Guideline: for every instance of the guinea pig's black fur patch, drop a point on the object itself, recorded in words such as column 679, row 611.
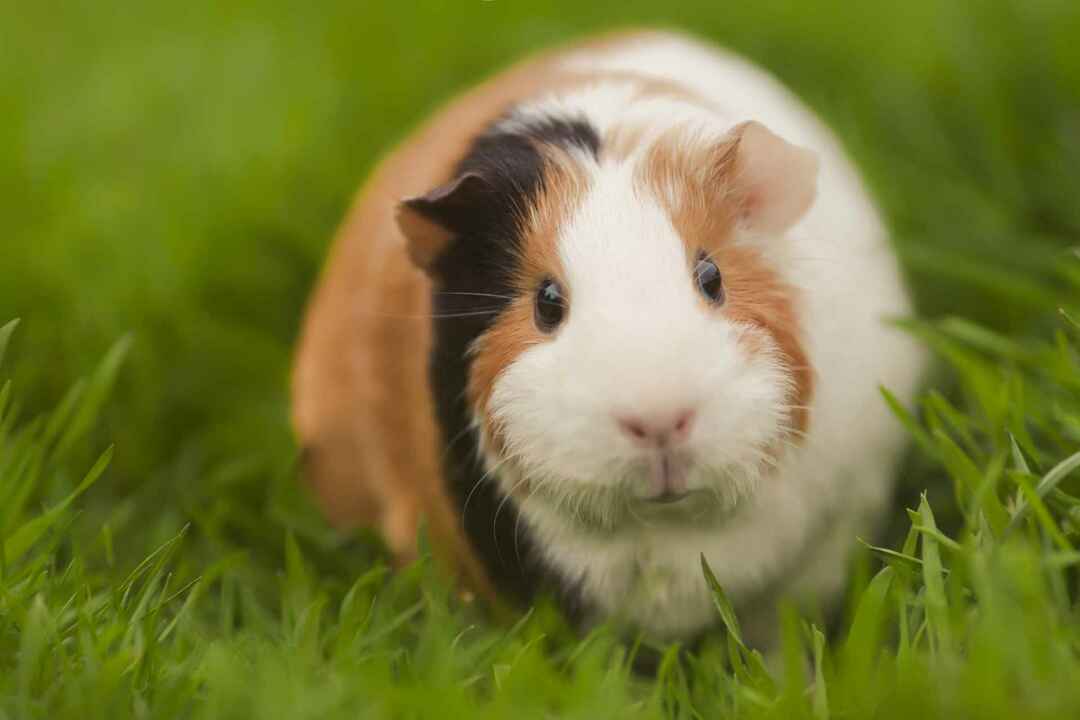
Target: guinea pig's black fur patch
column 483, row 259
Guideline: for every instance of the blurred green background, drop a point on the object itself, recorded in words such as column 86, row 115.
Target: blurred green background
column 173, row 173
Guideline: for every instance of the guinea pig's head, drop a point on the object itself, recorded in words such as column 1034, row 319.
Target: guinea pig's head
column 609, row 319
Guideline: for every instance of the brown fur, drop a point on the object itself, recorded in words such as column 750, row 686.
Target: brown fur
column 515, row 331
column 709, row 207
column 362, row 405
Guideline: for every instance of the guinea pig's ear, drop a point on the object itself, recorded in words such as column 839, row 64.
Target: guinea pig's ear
column 776, row 181
column 431, row 222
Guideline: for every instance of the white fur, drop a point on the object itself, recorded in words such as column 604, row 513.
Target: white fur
column 636, row 340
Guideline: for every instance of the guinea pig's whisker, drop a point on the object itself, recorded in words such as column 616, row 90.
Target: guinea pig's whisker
column 465, row 314
column 454, row 440
column 462, row 395
column 517, row 546
column 477, row 484
column 630, row 509
column 434, row 316
column 502, row 504
column 768, row 461
column 475, row 294
column 533, row 486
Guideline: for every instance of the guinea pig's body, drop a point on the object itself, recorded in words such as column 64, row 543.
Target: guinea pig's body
column 620, row 306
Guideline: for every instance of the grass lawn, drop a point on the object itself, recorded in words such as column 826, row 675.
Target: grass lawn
column 170, row 175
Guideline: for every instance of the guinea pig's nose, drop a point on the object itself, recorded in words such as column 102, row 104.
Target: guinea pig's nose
column 658, row 430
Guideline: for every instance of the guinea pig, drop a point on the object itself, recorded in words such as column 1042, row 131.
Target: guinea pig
column 619, row 307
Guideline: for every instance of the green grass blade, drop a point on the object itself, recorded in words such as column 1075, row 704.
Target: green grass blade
column 97, row 391
column 1048, row 482
column 720, row 600
column 1036, row 506
column 5, row 337
column 819, row 693
column 910, row 424
column 23, row 538
column 937, row 606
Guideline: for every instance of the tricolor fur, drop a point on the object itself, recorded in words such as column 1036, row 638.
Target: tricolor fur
column 616, row 168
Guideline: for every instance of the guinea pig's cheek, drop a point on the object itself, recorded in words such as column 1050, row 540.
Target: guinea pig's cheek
column 533, row 406
column 745, row 417
column 764, row 307
column 780, row 360
column 493, row 353
column 523, row 399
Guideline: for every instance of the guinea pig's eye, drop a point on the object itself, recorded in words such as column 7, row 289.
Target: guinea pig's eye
column 708, row 279
column 550, row 307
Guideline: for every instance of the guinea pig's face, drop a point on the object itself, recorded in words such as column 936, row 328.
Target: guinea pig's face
column 648, row 352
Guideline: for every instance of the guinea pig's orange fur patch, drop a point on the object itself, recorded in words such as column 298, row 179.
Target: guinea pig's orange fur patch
column 565, row 182
column 701, row 195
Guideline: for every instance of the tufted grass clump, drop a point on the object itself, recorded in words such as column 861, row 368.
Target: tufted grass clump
column 979, row 619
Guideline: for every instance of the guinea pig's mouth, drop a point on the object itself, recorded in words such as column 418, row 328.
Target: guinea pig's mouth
column 666, row 477
column 667, row 487
column 668, row 497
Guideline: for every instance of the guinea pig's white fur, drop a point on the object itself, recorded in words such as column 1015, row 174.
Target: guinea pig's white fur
column 791, row 451
column 637, row 340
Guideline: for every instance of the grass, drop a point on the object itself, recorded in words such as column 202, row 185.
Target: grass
column 171, row 176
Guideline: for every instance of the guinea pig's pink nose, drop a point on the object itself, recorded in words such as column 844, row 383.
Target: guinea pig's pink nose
column 658, row 430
